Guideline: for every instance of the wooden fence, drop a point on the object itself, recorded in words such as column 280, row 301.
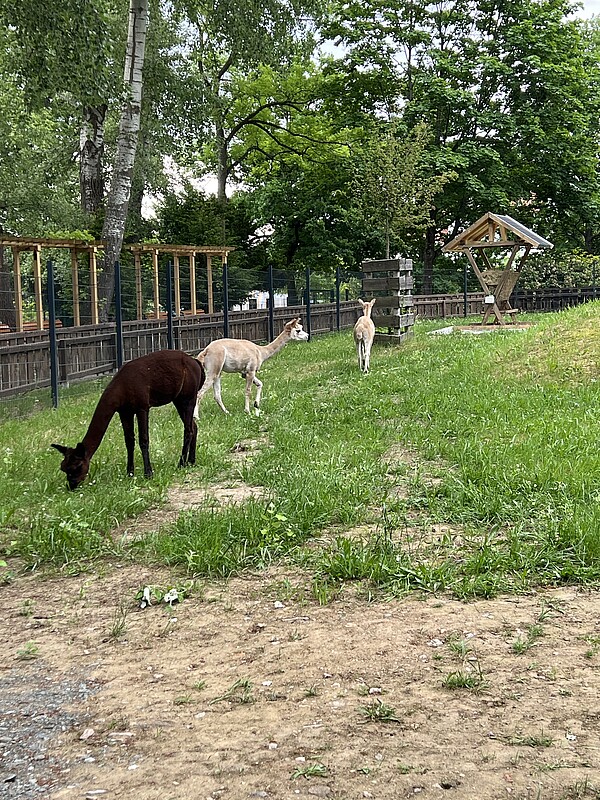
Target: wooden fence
column 89, row 351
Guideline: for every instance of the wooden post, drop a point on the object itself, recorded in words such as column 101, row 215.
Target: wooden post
column 193, row 283
column 209, row 285
column 137, row 260
column 75, row 285
column 93, row 286
column 155, row 283
column 18, row 289
column 37, row 284
column 177, row 284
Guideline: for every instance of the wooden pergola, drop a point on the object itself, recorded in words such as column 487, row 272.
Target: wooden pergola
column 20, row 245
column 497, row 231
column 24, row 245
column 176, row 251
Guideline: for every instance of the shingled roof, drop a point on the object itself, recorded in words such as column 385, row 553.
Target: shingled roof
column 496, row 230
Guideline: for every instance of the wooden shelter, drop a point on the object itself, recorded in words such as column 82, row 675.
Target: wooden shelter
column 493, row 232
column 20, row 245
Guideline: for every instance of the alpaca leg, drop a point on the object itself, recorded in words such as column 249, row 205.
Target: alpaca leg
column 367, row 357
column 203, row 390
column 144, row 440
column 217, row 391
column 248, row 391
column 190, row 433
column 129, row 433
column 359, row 354
column 259, row 387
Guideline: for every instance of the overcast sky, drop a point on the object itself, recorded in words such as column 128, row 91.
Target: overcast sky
column 590, row 8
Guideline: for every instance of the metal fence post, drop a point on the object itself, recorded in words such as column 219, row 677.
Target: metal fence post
column 225, row 301
column 169, row 305
column 52, row 335
column 337, row 299
column 118, row 315
column 307, row 281
column 271, row 302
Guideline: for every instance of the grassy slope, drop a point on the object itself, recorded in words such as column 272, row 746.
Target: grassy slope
column 504, row 425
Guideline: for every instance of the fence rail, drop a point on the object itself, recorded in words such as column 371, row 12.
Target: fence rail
column 90, row 351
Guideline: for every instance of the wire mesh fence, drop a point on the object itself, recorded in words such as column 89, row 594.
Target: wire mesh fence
column 55, row 330
column 61, row 333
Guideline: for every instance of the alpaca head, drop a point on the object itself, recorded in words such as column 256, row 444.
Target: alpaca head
column 296, row 331
column 75, row 463
column 367, row 307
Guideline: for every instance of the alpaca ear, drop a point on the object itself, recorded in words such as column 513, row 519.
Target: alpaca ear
column 373, row 302
column 61, row 448
column 362, row 302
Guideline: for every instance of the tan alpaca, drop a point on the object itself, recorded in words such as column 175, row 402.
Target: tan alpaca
column 245, row 357
column 364, row 333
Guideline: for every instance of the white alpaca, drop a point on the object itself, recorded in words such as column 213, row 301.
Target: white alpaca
column 364, row 333
column 240, row 355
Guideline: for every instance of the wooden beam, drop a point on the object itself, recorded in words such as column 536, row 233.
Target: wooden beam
column 139, row 305
column 177, row 284
column 209, row 285
column 37, row 285
column 18, row 289
column 93, row 285
column 193, row 283
column 75, row 286
column 155, row 284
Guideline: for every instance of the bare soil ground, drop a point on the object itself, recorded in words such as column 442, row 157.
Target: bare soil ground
column 251, row 689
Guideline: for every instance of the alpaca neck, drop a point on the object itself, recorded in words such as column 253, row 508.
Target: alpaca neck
column 98, row 426
column 269, row 350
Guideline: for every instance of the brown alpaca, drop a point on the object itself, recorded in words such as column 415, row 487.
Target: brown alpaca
column 167, row 376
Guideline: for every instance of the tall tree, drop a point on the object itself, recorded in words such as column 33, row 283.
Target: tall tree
column 485, row 76
column 119, row 195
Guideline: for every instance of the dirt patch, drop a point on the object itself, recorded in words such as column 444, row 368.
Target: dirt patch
column 180, row 499
column 243, row 692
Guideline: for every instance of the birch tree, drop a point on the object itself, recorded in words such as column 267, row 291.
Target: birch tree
column 119, row 194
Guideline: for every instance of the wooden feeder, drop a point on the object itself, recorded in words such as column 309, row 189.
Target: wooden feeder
column 497, row 231
column 390, row 281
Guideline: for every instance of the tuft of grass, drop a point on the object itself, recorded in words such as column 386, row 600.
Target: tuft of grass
column 310, row 771
column 463, row 679
column 540, row 740
column 378, row 711
column 240, row 691
column 118, row 627
column 522, row 645
column 28, row 652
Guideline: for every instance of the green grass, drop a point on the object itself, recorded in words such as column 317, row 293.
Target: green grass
column 493, row 436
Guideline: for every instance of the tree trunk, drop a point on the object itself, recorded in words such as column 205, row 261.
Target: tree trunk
column 428, row 258
column 222, row 166
column 91, row 152
column 120, row 190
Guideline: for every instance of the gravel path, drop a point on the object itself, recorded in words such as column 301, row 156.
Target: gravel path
column 35, row 710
